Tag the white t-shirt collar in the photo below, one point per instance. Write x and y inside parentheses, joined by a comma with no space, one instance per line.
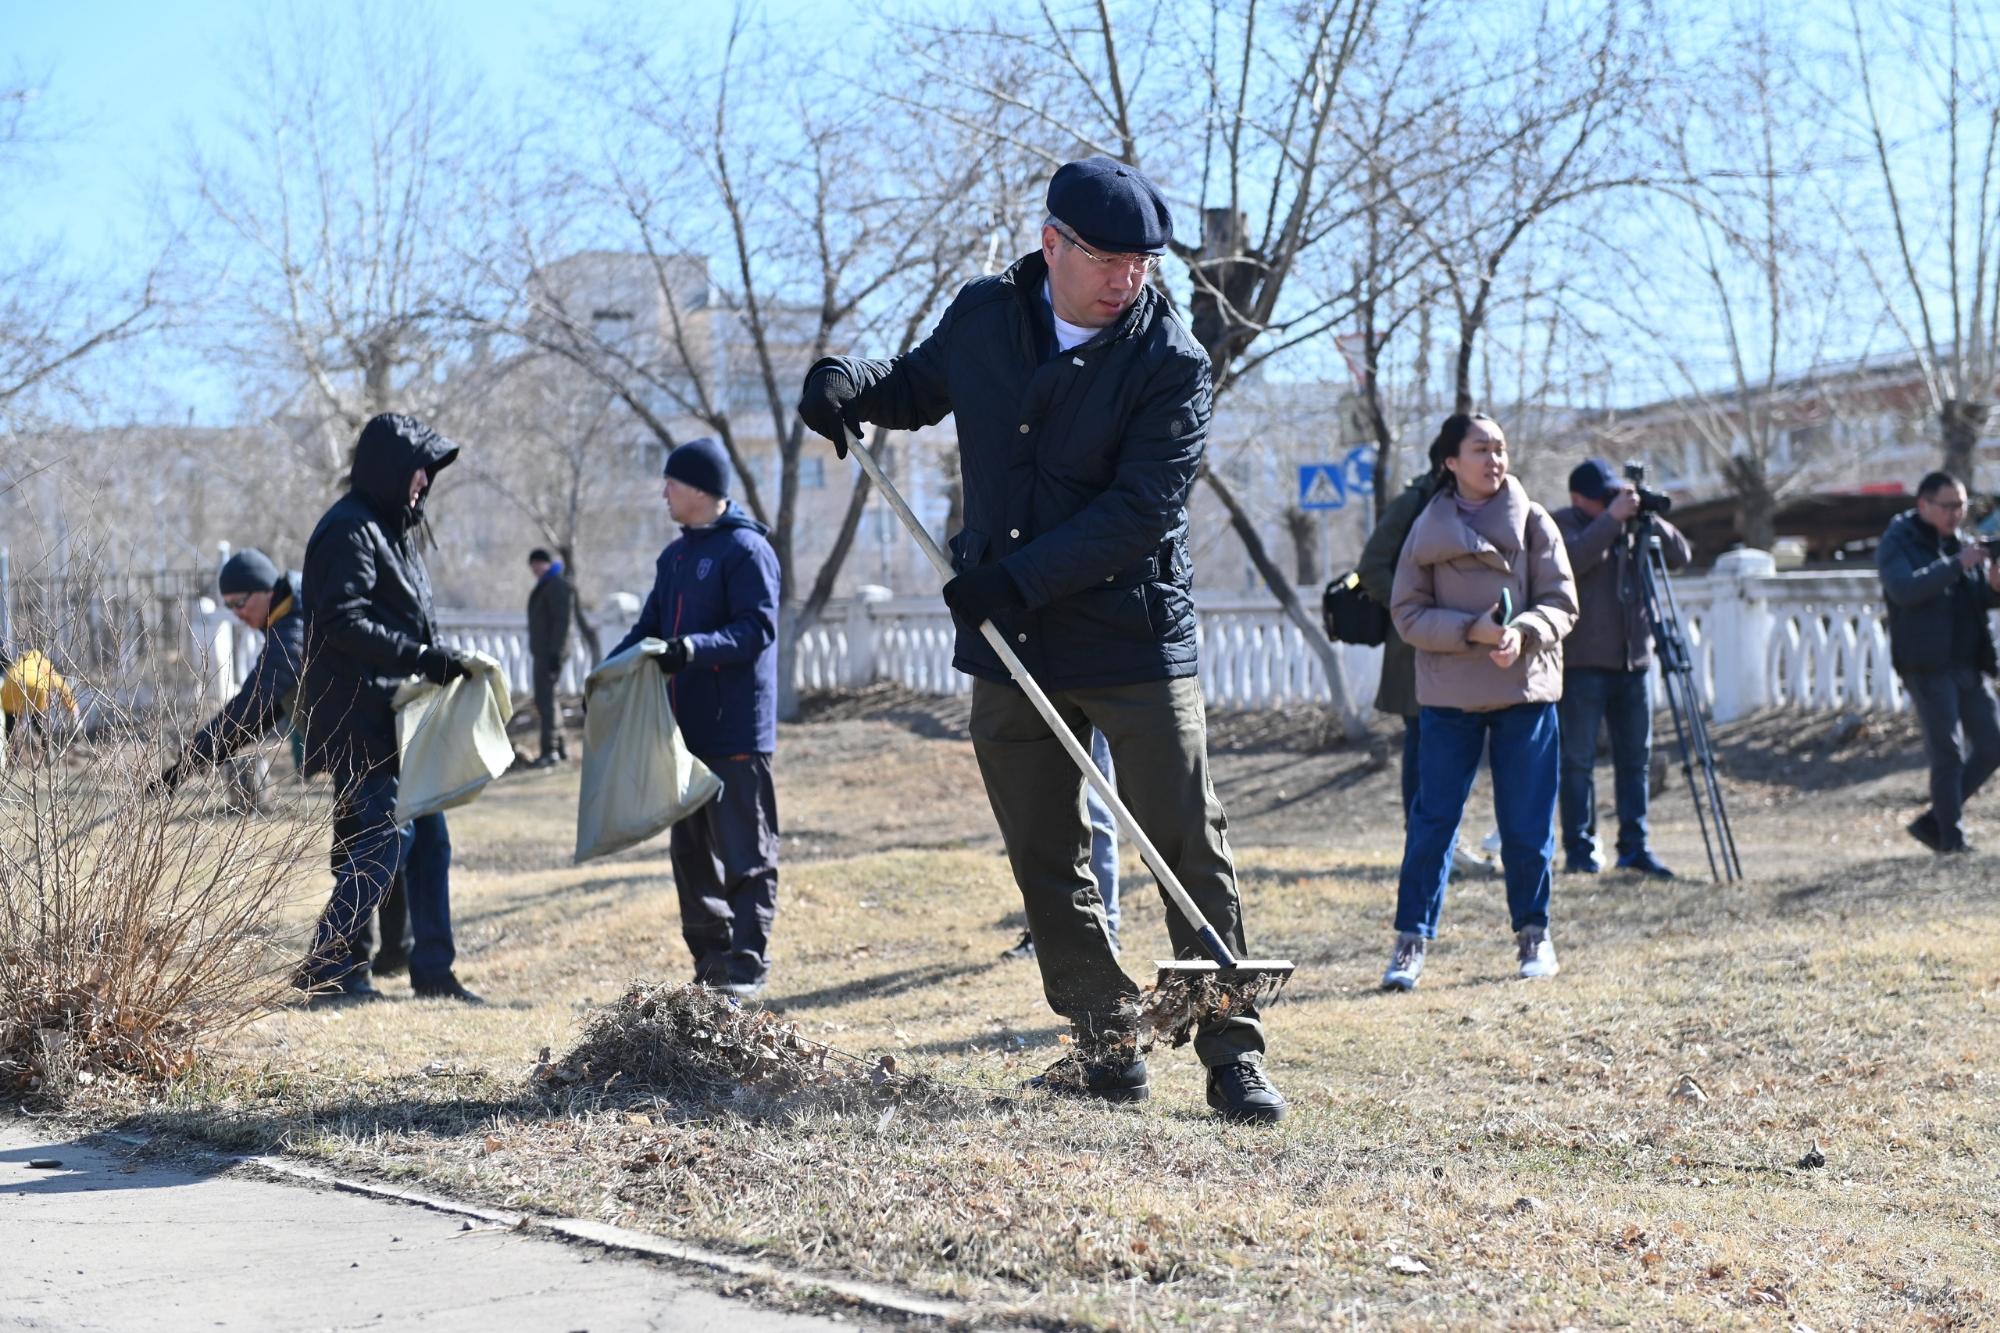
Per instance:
(1068,335)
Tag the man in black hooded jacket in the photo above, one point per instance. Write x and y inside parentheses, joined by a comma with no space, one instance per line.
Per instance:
(370,624)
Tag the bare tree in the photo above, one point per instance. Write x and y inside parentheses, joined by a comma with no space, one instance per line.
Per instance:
(53,319)
(1260,159)
(344,229)
(1738,243)
(1932,133)
(772,226)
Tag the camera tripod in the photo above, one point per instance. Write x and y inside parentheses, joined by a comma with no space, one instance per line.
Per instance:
(1656,593)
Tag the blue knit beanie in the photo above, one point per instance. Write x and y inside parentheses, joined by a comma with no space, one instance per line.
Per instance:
(701,464)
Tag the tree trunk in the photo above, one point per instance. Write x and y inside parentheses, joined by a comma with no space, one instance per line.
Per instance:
(1352,725)
(586,628)
(1961,423)
(1304,530)
(1756,505)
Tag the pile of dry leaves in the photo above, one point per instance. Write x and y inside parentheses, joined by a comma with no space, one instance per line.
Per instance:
(693,1046)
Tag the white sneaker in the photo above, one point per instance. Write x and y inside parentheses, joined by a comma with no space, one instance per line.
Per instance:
(1467,863)
(1490,844)
(1406,963)
(1537,952)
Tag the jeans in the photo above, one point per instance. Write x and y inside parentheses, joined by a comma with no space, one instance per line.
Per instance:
(725,858)
(1525,754)
(368,850)
(1949,703)
(1620,701)
(1103,835)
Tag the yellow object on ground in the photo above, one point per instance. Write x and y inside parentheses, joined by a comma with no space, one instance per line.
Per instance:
(451,740)
(639,777)
(30,683)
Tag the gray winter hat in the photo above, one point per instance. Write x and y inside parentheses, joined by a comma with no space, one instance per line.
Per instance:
(249,570)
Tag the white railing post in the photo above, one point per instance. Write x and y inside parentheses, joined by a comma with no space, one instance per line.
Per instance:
(862,645)
(215,643)
(1738,628)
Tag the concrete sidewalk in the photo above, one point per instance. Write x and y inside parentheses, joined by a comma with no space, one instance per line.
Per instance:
(114,1243)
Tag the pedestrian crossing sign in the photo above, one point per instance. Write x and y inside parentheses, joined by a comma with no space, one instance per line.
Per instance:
(1321,486)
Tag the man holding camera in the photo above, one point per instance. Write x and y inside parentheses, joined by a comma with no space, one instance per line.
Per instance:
(1606,662)
(1939,589)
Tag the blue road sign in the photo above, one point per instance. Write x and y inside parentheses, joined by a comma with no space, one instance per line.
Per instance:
(1357,469)
(1321,486)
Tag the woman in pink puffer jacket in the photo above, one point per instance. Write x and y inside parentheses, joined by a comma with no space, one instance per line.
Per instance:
(1484,593)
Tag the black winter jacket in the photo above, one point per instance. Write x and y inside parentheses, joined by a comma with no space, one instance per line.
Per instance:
(1929,595)
(550,605)
(369,614)
(269,690)
(1076,468)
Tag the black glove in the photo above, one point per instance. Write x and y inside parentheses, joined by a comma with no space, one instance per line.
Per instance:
(675,658)
(441,666)
(823,404)
(978,594)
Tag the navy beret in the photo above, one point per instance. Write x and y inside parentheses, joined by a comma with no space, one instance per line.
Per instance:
(1110,206)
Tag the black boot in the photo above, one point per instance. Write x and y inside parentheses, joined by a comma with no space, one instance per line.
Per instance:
(446,987)
(1239,1091)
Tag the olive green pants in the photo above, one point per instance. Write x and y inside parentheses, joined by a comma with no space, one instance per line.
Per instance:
(1159,746)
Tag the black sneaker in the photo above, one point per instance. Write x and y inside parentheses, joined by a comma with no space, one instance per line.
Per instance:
(1024,948)
(446,987)
(390,963)
(1924,828)
(1122,1081)
(352,988)
(1240,1092)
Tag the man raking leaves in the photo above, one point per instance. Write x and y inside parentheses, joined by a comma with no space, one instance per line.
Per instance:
(1082,404)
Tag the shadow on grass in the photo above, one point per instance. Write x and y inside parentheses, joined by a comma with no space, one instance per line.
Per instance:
(1006,1040)
(880,986)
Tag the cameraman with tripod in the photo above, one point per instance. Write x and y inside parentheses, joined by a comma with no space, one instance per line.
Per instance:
(1939,588)
(1607,660)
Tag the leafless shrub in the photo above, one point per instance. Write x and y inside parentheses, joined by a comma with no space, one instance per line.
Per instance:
(135,923)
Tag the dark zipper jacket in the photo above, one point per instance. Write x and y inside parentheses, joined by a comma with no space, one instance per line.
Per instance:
(1076,467)
(717,588)
(269,691)
(369,613)
(1937,607)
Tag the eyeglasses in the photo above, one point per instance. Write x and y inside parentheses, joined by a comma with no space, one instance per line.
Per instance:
(1137,265)
(236,601)
(1949,507)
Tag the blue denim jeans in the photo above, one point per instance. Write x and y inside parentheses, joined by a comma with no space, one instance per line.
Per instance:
(1619,700)
(1524,758)
(1103,835)
(368,849)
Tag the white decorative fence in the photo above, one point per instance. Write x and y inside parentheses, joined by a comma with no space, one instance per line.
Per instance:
(1758,639)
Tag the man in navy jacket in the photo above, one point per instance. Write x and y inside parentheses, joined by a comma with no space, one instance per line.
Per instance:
(1081,403)
(715,603)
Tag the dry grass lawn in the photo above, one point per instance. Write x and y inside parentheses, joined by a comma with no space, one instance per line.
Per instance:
(1480,1153)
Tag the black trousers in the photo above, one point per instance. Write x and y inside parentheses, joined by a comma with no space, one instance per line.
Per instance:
(725,858)
(548,670)
(1951,704)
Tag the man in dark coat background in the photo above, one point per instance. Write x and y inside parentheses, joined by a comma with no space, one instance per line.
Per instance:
(1940,589)
(551,603)
(370,624)
(265,600)
(1607,667)
(715,604)
(1082,406)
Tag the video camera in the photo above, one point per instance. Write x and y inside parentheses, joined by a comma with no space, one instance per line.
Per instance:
(1650,502)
